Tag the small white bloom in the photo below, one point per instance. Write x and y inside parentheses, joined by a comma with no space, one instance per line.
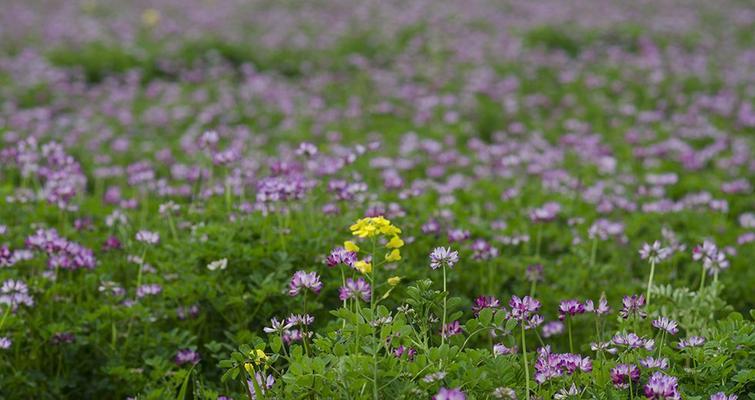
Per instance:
(218,264)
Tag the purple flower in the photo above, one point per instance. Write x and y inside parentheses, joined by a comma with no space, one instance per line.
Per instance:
(63,337)
(15,293)
(5,343)
(650,362)
(654,253)
(148,290)
(265,384)
(723,396)
(571,308)
(603,346)
(522,309)
(277,326)
(340,256)
(147,237)
(546,213)
(633,306)
(401,350)
(451,329)
(633,341)
(504,393)
(306,280)
(450,394)
(601,309)
(662,387)
(534,273)
(500,350)
(300,319)
(666,324)
(692,341)
(186,356)
(482,302)
(623,374)
(6,257)
(565,393)
(483,250)
(553,328)
(441,256)
(551,365)
(355,289)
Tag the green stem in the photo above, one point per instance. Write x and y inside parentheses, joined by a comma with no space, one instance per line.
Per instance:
(594,251)
(445,298)
(526,365)
(571,344)
(702,279)
(537,246)
(7,312)
(650,283)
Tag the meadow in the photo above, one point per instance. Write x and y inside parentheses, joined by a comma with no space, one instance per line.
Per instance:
(340,199)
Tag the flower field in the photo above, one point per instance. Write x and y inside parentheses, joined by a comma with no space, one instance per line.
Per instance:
(362,199)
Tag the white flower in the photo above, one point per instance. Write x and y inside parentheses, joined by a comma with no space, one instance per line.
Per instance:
(218,264)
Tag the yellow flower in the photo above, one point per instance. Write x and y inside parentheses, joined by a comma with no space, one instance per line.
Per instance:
(394,280)
(394,255)
(373,226)
(150,17)
(261,356)
(395,243)
(249,368)
(350,246)
(363,266)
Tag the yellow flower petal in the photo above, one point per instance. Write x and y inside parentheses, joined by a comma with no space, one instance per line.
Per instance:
(363,267)
(350,246)
(394,280)
(394,255)
(395,243)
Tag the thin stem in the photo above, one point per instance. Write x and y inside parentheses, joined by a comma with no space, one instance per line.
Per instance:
(594,251)
(7,312)
(650,283)
(537,247)
(702,279)
(526,367)
(571,344)
(445,298)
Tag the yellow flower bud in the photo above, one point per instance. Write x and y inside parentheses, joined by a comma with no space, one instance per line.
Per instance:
(350,246)
(363,267)
(394,255)
(395,243)
(394,280)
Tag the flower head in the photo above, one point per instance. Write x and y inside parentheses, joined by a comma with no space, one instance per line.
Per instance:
(623,374)
(601,309)
(662,387)
(355,289)
(667,325)
(218,264)
(723,396)
(450,394)
(373,226)
(147,237)
(654,253)
(482,302)
(186,356)
(571,308)
(304,280)
(632,305)
(451,329)
(441,256)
